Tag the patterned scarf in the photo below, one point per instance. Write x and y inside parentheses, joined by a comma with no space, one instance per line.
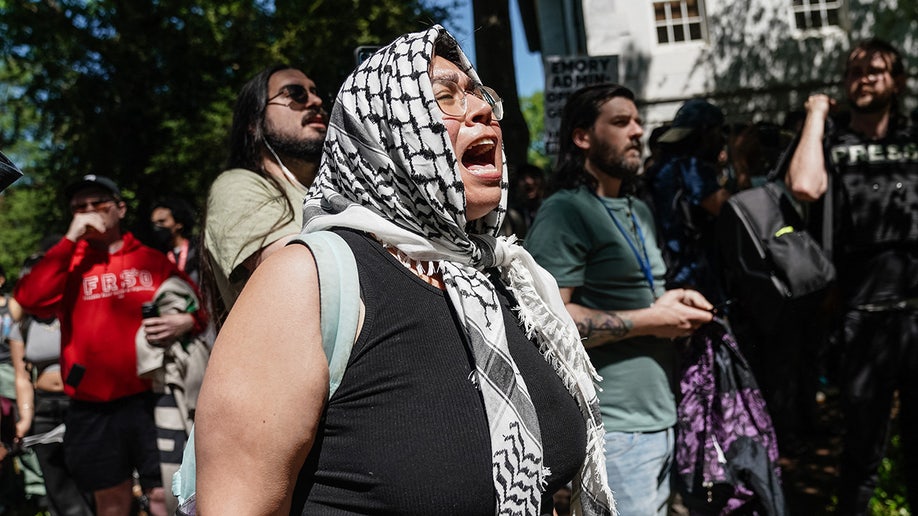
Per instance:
(389,169)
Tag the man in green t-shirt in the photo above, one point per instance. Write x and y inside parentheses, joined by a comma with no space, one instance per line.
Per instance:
(255,206)
(600,245)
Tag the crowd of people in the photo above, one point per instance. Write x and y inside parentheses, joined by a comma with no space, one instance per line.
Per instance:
(519,336)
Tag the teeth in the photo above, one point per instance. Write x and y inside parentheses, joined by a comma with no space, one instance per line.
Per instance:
(484,141)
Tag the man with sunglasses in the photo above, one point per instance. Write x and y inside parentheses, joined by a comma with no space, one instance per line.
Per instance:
(255,206)
(95,281)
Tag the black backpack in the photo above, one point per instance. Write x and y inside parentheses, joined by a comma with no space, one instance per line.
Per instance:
(772,266)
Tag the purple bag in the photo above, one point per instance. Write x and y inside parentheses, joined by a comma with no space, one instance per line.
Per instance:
(726,450)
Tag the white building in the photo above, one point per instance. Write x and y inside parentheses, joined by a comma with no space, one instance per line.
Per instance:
(755,58)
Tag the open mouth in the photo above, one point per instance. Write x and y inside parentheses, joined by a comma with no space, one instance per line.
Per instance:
(480,155)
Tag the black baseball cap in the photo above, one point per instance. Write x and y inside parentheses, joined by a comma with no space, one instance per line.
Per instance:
(693,115)
(9,172)
(92,180)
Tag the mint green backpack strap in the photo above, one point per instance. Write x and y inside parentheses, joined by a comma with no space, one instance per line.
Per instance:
(183,480)
(339,297)
(339,300)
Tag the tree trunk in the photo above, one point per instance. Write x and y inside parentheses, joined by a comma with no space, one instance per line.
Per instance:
(494,56)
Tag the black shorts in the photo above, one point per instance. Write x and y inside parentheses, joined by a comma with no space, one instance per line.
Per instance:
(105,442)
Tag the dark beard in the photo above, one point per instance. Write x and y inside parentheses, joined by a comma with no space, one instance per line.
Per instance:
(605,160)
(306,149)
(877,106)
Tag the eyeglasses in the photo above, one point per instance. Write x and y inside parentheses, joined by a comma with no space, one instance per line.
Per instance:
(452,99)
(91,206)
(871,73)
(298,95)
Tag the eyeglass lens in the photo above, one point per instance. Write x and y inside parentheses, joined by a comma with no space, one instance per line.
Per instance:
(452,99)
(296,93)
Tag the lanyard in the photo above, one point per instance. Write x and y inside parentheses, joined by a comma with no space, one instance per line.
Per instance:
(642,259)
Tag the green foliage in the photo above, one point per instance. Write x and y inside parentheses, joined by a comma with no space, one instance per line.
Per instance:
(27,213)
(143,91)
(889,498)
(533,108)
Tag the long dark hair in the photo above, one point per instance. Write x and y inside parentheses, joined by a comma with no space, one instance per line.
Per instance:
(580,112)
(247,143)
(889,54)
(247,135)
(879,46)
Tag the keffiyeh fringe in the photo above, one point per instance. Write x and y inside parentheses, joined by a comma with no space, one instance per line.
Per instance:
(546,321)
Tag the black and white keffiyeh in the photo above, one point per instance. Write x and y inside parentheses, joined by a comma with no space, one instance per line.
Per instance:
(389,169)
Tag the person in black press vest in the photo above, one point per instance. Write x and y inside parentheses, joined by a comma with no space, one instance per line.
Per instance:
(871,167)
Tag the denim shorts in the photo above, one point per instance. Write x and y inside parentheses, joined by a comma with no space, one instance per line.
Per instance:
(638,465)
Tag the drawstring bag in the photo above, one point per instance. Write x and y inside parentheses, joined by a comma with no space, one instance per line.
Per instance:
(726,450)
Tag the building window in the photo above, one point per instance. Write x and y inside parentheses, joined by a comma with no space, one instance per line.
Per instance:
(679,20)
(814,14)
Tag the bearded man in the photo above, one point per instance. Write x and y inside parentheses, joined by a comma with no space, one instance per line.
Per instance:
(255,207)
(870,169)
(599,243)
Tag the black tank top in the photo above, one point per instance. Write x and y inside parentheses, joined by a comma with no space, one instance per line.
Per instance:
(406,432)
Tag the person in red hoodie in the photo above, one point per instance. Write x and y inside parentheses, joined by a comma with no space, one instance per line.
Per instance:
(95,280)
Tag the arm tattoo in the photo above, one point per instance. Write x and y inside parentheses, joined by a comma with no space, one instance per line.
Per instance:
(605,325)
